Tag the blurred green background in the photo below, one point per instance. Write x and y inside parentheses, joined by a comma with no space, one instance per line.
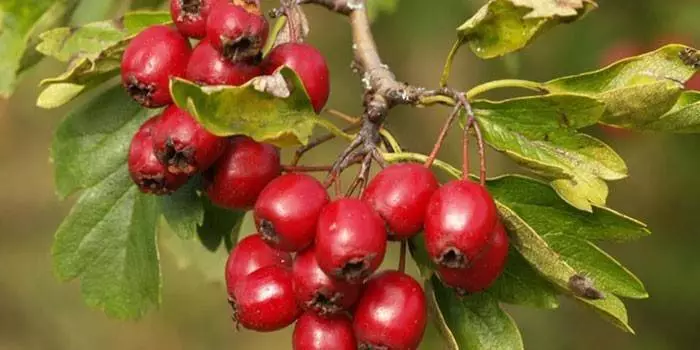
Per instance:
(37,312)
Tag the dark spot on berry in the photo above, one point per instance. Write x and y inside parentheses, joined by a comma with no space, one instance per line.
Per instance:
(356,269)
(242,48)
(140,92)
(452,258)
(267,231)
(191,7)
(325,305)
(371,347)
(178,160)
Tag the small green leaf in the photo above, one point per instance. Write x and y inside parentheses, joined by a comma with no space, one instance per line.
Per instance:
(473,322)
(684,116)
(108,242)
(183,210)
(520,284)
(228,110)
(220,225)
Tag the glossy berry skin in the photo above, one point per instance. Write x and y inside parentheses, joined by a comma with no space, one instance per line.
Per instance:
(350,240)
(310,66)
(287,211)
(146,171)
(316,291)
(400,194)
(264,300)
(391,313)
(190,16)
(242,172)
(484,271)
(314,332)
(236,33)
(250,255)
(150,60)
(183,145)
(459,221)
(207,66)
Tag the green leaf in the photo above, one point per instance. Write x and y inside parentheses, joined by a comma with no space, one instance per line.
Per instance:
(638,90)
(183,210)
(473,322)
(108,242)
(93,140)
(220,226)
(504,26)
(228,110)
(684,116)
(20,23)
(520,284)
(93,51)
(377,7)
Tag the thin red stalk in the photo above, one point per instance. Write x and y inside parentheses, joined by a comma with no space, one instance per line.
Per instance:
(402,257)
(442,136)
(306,169)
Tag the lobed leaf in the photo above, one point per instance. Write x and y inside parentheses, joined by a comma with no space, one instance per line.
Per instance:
(219,226)
(520,284)
(184,210)
(683,117)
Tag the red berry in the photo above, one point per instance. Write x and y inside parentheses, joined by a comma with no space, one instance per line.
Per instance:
(316,291)
(208,66)
(183,145)
(242,172)
(150,175)
(484,271)
(309,65)
(350,240)
(237,33)
(190,16)
(400,195)
(287,211)
(264,300)
(459,221)
(391,313)
(150,60)
(250,255)
(313,332)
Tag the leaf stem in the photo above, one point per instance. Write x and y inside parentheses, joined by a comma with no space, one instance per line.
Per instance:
(421,158)
(448,63)
(505,83)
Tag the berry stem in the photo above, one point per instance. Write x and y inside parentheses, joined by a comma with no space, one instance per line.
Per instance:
(441,137)
(402,257)
(343,116)
(465,150)
(319,141)
(306,169)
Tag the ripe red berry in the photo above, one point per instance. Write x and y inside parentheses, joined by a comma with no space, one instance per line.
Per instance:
(237,33)
(242,172)
(287,211)
(150,60)
(316,291)
(350,240)
(484,271)
(264,300)
(400,195)
(208,66)
(190,16)
(183,145)
(459,222)
(391,313)
(250,255)
(309,65)
(150,175)
(313,332)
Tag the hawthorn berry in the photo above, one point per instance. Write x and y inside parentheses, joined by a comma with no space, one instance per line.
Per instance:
(207,66)
(314,332)
(459,222)
(310,66)
(237,33)
(287,210)
(391,313)
(242,172)
(264,300)
(250,255)
(483,271)
(316,291)
(400,194)
(150,60)
(190,16)
(150,175)
(183,145)
(350,240)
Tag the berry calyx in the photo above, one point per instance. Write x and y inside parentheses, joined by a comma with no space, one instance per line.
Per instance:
(459,222)
(242,172)
(484,271)
(264,300)
(287,211)
(250,255)
(183,145)
(310,66)
(149,174)
(235,32)
(313,332)
(391,313)
(350,240)
(150,60)
(190,16)
(400,194)
(316,291)
(207,66)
